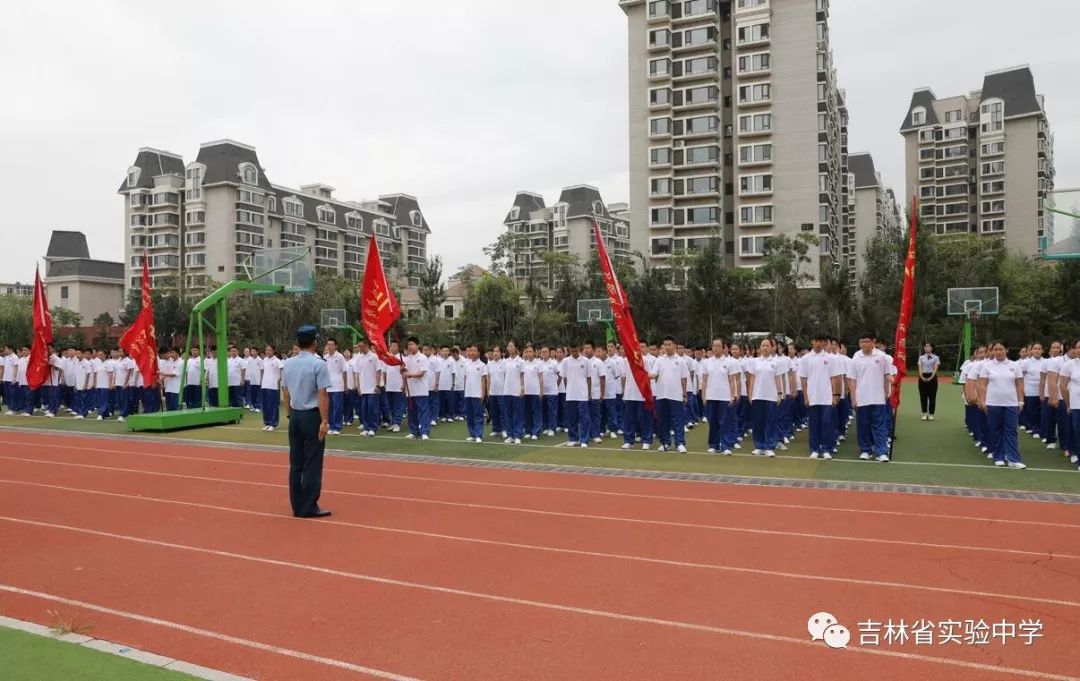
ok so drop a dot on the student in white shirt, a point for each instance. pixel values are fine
(766, 390)
(351, 408)
(720, 389)
(929, 363)
(474, 386)
(1048, 392)
(7, 377)
(447, 367)
(513, 406)
(1031, 368)
(393, 391)
(434, 367)
(616, 368)
(637, 420)
(210, 366)
(270, 388)
(1001, 396)
(820, 376)
(597, 383)
(235, 369)
(366, 365)
(608, 422)
(335, 365)
(193, 379)
(23, 402)
(575, 374)
(742, 421)
(974, 418)
(103, 384)
(495, 391)
(169, 370)
(532, 400)
(560, 418)
(549, 379)
(53, 384)
(869, 383)
(672, 375)
(415, 372)
(1069, 388)
(458, 358)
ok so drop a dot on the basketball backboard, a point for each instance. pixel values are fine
(594, 310)
(1061, 225)
(290, 268)
(962, 302)
(332, 318)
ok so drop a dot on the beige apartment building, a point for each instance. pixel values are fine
(564, 227)
(738, 128)
(873, 210)
(202, 221)
(980, 162)
(77, 282)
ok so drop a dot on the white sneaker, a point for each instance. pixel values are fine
(571, 443)
(50, 415)
(517, 440)
(1023, 428)
(11, 413)
(710, 450)
(738, 446)
(782, 447)
(814, 455)
(1017, 465)
(931, 417)
(100, 417)
(989, 455)
(270, 429)
(827, 456)
(864, 456)
(549, 433)
(395, 429)
(1074, 459)
(479, 439)
(424, 437)
(532, 437)
(612, 435)
(681, 449)
(756, 452)
(508, 440)
(584, 445)
(265, 428)
(770, 453)
(663, 448)
(626, 445)
(1052, 445)
(120, 419)
(470, 439)
(924, 417)
(842, 438)
(77, 416)
(984, 449)
(505, 434)
(434, 423)
(597, 440)
(999, 464)
(645, 447)
(410, 436)
(787, 440)
(726, 452)
(883, 458)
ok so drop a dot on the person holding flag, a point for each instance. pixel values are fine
(903, 323)
(140, 344)
(37, 363)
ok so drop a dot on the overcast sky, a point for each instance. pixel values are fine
(459, 103)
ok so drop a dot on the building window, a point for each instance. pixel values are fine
(133, 174)
(327, 215)
(416, 219)
(658, 156)
(354, 221)
(248, 217)
(755, 215)
(249, 174)
(166, 219)
(658, 8)
(701, 185)
(755, 184)
(135, 199)
(701, 95)
(659, 67)
(699, 36)
(823, 214)
(993, 116)
(996, 206)
(249, 197)
(659, 96)
(195, 260)
(751, 4)
(448, 311)
(752, 94)
(294, 208)
(993, 168)
(753, 33)
(993, 148)
(926, 192)
(700, 66)
(754, 63)
(918, 116)
(692, 7)
(194, 238)
(757, 153)
(64, 289)
(660, 37)
(755, 123)
(660, 186)
(661, 246)
(752, 245)
(701, 124)
(659, 127)
(995, 225)
(926, 135)
(702, 215)
(660, 216)
(699, 155)
(249, 238)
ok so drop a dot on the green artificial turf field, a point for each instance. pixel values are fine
(926, 452)
(27, 657)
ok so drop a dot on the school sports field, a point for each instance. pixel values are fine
(430, 569)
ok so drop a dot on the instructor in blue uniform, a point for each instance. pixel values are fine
(306, 378)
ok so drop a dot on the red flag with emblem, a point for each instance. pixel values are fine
(378, 307)
(624, 321)
(907, 305)
(139, 341)
(37, 370)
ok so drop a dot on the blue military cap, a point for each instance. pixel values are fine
(306, 333)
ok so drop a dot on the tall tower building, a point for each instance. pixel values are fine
(737, 128)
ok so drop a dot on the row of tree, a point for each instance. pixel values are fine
(1039, 301)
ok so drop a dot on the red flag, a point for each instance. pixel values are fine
(378, 307)
(37, 370)
(907, 305)
(624, 322)
(139, 341)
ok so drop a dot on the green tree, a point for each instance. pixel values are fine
(16, 319)
(491, 311)
(656, 311)
(501, 252)
(786, 272)
(837, 299)
(102, 323)
(64, 317)
(715, 294)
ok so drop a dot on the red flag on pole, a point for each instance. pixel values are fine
(139, 341)
(907, 304)
(37, 370)
(378, 307)
(624, 322)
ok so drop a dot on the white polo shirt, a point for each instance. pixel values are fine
(550, 376)
(558, 372)
(166, 367)
(513, 369)
(763, 369)
(495, 377)
(459, 372)
(418, 387)
(1001, 382)
(1031, 368)
(1051, 365)
(671, 371)
(432, 376)
(253, 370)
(392, 380)
(1071, 371)
(533, 370)
(819, 368)
(610, 379)
(575, 373)
(20, 370)
(103, 371)
(366, 366)
(271, 373)
(211, 366)
(235, 365)
(335, 364)
(869, 372)
(472, 376)
(718, 371)
(617, 368)
(193, 377)
(596, 371)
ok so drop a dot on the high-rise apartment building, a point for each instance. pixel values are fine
(564, 227)
(738, 129)
(980, 163)
(202, 221)
(873, 210)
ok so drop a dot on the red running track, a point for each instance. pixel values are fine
(448, 572)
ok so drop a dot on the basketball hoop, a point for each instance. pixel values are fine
(973, 315)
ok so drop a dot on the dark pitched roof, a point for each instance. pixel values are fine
(580, 199)
(85, 267)
(862, 167)
(153, 162)
(924, 98)
(222, 160)
(65, 244)
(1016, 87)
(401, 205)
(526, 203)
(312, 203)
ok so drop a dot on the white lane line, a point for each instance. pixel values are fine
(543, 488)
(590, 612)
(575, 516)
(566, 551)
(205, 633)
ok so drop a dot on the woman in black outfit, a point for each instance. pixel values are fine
(928, 381)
